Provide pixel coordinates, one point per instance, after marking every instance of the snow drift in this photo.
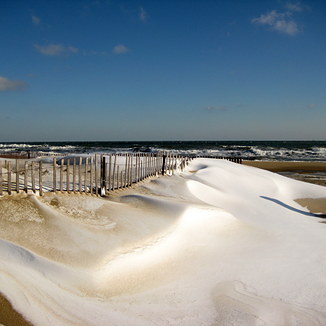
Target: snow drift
(220, 244)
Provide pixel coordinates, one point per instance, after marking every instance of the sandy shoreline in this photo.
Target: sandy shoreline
(280, 166)
(312, 172)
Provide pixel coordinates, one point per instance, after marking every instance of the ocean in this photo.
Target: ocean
(249, 150)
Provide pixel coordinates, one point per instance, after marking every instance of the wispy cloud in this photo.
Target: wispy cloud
(282, 22)
(143, 15)
(219, 108)
(96, 53)
(11, 85)
(311, 106)
(55, 49)
(120, 49)
(36, 20)
(294, 6)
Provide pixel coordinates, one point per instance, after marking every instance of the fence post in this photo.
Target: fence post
(40, 179)
(54, 175)
(163, 164)
(103, 174)
(25, 177)
(1, 187)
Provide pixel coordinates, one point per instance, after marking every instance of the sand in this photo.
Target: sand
(8, 316)
(279, 166)
(315, 205)
(312, 172)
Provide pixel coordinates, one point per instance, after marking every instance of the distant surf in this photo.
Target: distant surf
(250, 150)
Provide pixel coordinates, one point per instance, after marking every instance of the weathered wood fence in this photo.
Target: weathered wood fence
(93, 174)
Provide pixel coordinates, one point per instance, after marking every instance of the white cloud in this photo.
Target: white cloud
(11, 85)
(143, 16)
(36, 20)
(278, 21)
(55, 49)
(294, 6)
(120, 49)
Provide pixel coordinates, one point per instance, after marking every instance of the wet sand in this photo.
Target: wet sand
(9, 316)
(277, 166)
(315, 205)
(312, 172)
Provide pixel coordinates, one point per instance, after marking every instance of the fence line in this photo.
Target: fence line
(93, 174)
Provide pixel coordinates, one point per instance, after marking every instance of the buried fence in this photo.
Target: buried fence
(93, 174)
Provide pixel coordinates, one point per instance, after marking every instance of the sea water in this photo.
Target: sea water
(250, 150)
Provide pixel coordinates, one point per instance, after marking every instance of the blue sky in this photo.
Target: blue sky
(162, 70)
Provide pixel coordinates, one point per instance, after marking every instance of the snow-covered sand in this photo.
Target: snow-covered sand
(220, 244)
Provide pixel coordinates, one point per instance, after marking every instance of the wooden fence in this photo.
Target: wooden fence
(93, 174)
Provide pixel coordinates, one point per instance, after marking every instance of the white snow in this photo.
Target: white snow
(220, 244)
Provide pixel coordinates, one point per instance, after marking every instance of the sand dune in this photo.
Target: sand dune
(220, 244)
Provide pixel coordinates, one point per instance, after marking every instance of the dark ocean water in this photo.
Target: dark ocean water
(252, 150)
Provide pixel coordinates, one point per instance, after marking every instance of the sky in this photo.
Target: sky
(162, 70)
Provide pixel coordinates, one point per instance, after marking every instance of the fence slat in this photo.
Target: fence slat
(86, 172)
(109, 183)
(17, 175)
(68, 176)
(25, 177)
(9, 178)
(61, 174)
(118, 177)
(80, 165)
(121, 176)
(91, 165)
(96, 175)
(113, 173)
(33, 177)
(74, 175)
(130, 170)
(54, 175)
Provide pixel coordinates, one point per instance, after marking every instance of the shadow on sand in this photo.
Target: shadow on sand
(276, 201)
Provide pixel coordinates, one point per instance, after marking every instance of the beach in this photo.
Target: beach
(313, 172)
(220, 243)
